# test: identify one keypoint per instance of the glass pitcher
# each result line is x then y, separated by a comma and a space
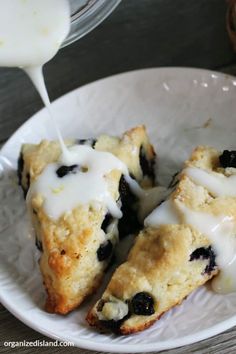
86, 15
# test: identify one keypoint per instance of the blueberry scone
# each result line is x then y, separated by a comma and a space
185, 242
80, 207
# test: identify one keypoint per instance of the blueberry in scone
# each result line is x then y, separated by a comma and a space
105, 250
228, 159
147, 164
77, 244
205, 253
130, 222
62, 171
186, 241
142, 304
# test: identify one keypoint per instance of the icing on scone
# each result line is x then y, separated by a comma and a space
219, 229
81, 181
217, 184
80, 178
163, 215
77, 248
187, 241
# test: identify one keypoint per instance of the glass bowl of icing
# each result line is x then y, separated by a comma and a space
86, 15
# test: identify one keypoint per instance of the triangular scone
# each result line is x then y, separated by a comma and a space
77, 247
177, 251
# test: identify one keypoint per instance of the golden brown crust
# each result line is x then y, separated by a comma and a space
157, 254
69, 264
93, 321
160, 261
126, 148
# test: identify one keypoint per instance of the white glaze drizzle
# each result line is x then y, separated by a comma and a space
64, 194
31, 33
219, 229
37, 78
150, 198
225, 281
40, 27
164, 214
219, 185
216, 183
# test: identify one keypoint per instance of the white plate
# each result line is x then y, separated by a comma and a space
181, 108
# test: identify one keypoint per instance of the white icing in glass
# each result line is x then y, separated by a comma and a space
31, 33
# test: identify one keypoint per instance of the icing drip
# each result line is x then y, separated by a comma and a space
219, 229
87, 184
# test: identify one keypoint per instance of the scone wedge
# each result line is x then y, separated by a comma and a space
176, 252
77, 247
